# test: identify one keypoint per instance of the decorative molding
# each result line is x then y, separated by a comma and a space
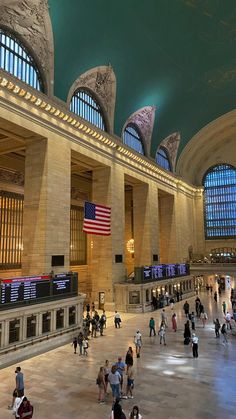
30, 20
8, 176
171, 144
144, 119
102, 82
78, 195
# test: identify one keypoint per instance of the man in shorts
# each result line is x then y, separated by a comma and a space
19, 389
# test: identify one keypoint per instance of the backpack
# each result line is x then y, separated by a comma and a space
25, 411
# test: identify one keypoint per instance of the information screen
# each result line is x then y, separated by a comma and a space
159, 272
61, 284
36, 289
22, 289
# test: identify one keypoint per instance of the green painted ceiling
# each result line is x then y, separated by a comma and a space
179, 55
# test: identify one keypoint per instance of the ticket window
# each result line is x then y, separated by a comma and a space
72, 314
60, 319
46, 322
31, 327
134, 297
14, 331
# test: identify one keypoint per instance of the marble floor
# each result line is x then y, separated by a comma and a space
169, 383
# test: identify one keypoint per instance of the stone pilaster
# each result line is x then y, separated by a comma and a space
167, 220
146, 230
46, 228
108, 189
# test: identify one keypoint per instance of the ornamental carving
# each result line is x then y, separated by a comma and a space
16, 178
171, 144
78, 195
144, 119
31, 21
102, 81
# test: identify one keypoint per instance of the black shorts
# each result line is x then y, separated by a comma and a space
19, 393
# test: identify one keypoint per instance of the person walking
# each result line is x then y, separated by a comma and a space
114, 380
204, 318
107, 371
75, 344
80, 343
162, 334
172, 301
17, 403
195, 341
164, 317
134, 414
120, 367
117, 412
138, 343
187, 333
193, 320
129, 358
85, 346
217, 328
224, 307
224, 333
117, 320
130, 383
197, 304
19, 387
186, 309
174, 322
152, 327
25, 410
228, 320
215, 296
101, 385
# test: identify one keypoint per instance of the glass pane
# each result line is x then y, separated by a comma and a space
132, 139
85, 106
162, 159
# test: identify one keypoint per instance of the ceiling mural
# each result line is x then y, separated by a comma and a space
175, 55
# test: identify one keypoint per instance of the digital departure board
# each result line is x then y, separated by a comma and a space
36, 289
160, 272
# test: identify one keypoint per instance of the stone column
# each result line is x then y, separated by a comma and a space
108, 189
53, 320
167, 220
66, 317
146, 228
39, 325
23, 327
46, 226
5, 333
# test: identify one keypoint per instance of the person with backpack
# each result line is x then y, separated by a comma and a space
224, 333
152, 327
25, 410
193, 320
101, 385
75, 344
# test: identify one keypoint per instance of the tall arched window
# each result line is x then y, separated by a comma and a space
15, 59
220, 202
162, 159
133, 139
84, 105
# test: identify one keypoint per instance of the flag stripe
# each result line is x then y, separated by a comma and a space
97, 219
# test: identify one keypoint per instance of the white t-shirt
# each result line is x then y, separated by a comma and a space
137, 337
228, 317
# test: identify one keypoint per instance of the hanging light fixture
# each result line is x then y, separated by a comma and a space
130, 246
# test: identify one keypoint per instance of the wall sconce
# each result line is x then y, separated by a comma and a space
130, 246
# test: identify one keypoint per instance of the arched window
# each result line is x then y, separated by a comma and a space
220, 202
132, 138
84, 105
15, 59
162, 159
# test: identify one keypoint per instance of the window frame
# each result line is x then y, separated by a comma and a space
25, 56
164, 149
206, 228
138, 138
96, 100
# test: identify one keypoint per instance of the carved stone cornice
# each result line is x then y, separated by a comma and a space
144, 119
102, 82
30, 20
9, 176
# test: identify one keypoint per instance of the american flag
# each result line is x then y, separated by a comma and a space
97, 219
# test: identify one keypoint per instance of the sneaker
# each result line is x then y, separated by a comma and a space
101, 402
130, 397
124, 397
